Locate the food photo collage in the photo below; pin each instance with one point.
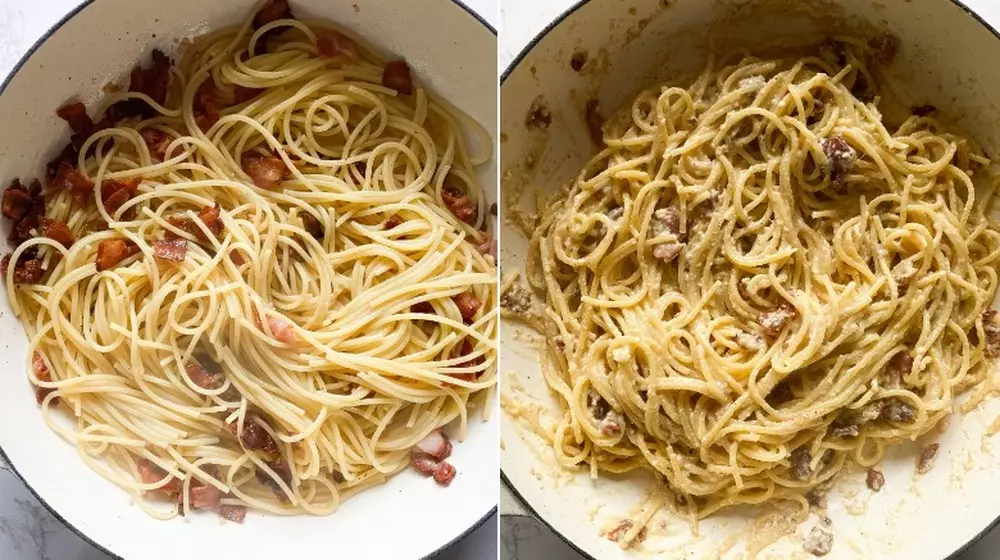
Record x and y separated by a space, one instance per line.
500 279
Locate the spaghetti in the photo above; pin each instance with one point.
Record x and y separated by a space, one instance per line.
263 277
759 280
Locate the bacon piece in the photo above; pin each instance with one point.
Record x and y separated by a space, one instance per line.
42 373
150 473
210 217
30 216
154 82
28 269
841 157
393 222
425 465
312 226
422 307
435 445
110 252
282 330
332 44
488 247
774 321
464 350
242 94
69 177
179 222
17 201
233 513
174 250
875 479
898 367
397 76
991 328
468 304
444 473
272 11
265 171
256 438
459 204
201 377
68 154
203 496
76 115
206 105
57 231
595 122
115 193
157 142
667 252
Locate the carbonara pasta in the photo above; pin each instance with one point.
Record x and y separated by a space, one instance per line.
760 279
262 277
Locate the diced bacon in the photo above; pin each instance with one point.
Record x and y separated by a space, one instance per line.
256 438
69 177
595 122
16 201
179 222
110 252
459 204
468 304
435 445
667 252
488 247
332 44
393 222
841 157
201 377
115 193
264 171
157 142
991 328
464 350
174 250
397 76
233 513
422 307
150 473
284 473
28 269
774 321
875 479
282 330
312 225
210 217
898 367
57 231
154 82
272 11
666 221
203 496
425 465
68 155
243 94
42 373
206 105
76 115
444 473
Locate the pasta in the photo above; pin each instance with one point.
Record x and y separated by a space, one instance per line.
760 279
263 277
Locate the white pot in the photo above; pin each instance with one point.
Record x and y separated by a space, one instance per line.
453 52
947 59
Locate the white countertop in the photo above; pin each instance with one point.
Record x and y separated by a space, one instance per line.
520 21
27 530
